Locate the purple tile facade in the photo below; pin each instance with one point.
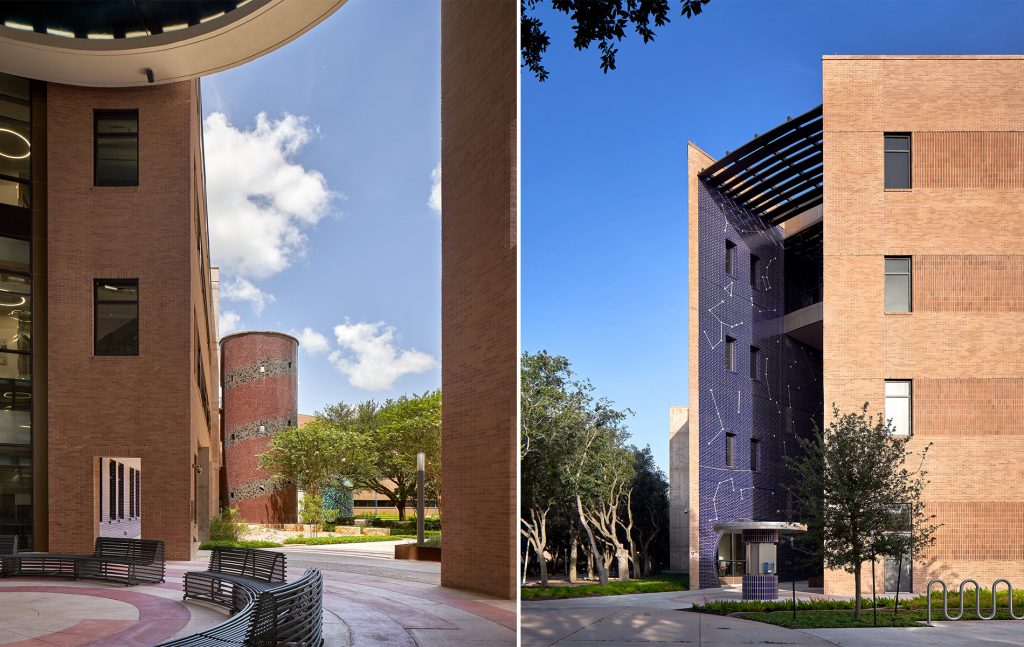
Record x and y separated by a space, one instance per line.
771 409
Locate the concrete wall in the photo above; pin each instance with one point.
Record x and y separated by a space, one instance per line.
260 384
479 74
679 489
963 346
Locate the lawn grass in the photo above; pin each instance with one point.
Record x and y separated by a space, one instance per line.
653 584
821 614
231 543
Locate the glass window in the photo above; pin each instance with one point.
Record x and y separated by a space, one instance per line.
16 496
898 409
730 257
755 270
897 284
730 354
117 317
117 148
897 160
753 454
730 442
15 141
755 363
15 412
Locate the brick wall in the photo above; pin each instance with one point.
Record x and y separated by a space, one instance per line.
254 398
479 73
142 406
962 346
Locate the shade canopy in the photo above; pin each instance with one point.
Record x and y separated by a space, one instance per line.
776 175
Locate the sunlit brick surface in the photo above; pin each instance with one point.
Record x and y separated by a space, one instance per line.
260 372
963 346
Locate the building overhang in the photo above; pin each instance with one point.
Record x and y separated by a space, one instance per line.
739 525
94 43
777 175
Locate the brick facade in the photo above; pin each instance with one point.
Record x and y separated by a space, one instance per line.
479 73
148 406
962 346
260 381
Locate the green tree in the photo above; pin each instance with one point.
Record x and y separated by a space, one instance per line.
310 456
853 487
649 513
601 21
379 442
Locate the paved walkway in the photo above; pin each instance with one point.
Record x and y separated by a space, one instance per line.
661 618
370 600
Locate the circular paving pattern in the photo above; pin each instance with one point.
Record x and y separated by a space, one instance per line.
78 615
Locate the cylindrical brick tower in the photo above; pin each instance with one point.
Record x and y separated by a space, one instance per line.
259 377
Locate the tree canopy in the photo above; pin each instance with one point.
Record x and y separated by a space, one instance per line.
582 483
311 456
602 21
860 491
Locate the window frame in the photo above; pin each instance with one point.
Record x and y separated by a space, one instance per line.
910 282
96 315
756 372
730 449
755 454
755 272
730 354
730 257
909 158
910 405
99 113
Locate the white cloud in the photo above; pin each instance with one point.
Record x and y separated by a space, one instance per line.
243 290
434 201
367 355
313 342
261 202
229 322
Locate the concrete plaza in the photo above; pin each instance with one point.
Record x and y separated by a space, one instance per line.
661 619
370 600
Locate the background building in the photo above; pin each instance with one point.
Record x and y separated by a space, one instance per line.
865 252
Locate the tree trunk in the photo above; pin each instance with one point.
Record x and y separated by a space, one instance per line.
856 591
602 574
543 561
623 559
573 556
401 510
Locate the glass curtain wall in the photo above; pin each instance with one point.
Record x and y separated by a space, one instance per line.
15 313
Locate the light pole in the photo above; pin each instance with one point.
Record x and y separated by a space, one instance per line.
420 467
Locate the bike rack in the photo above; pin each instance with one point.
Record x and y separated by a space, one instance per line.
977 600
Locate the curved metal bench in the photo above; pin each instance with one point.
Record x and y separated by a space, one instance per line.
234 571
114 559
287 614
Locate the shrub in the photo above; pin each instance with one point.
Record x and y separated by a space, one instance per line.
312 511
409 525
227 543
228 526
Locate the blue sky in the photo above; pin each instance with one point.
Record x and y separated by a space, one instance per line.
604 255
319 211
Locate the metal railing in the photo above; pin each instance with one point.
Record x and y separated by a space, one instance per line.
977 600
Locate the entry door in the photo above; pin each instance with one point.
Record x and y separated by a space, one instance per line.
892 570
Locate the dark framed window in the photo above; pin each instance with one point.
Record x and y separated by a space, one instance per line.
116 148
138 493
898 284
131 491
730 354
899 406
120 490
112 482
730 257
897 161
756 370
754 447
755 270
117 316
730 443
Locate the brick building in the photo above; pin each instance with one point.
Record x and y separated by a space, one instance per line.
865 252
107 327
